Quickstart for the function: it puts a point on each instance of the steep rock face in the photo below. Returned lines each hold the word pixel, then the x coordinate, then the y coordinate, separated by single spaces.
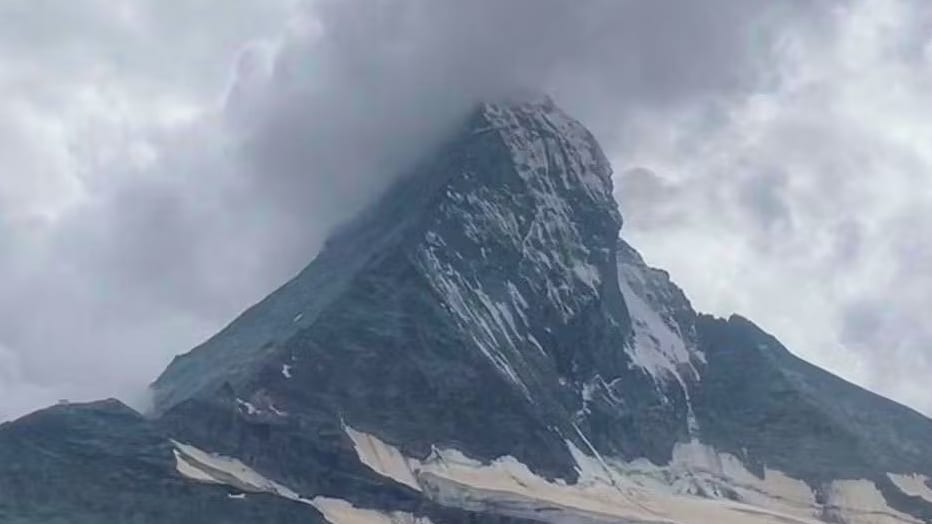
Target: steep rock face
pixel 479 306
pixel 664 341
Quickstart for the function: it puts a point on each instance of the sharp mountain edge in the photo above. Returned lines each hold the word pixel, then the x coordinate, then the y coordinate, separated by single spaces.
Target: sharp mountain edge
pixel 479 346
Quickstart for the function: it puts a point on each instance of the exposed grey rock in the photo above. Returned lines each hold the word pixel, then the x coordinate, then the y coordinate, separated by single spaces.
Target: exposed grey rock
pixel 103 462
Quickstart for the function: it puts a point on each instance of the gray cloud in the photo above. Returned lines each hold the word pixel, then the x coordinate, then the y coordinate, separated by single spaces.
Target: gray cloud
pixel 806 206
pixel 343 108
pixel 166 166
pixel 764 198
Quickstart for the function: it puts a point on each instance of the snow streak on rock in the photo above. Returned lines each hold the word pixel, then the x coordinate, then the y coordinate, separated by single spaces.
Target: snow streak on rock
pixel 860 502
pixel 542 258
pixel 664 339
pixel 699 485
pixel 913 485
pixel 201 466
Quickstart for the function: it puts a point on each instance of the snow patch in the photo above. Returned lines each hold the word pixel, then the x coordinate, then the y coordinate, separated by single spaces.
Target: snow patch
pixel 384 459
pixel 247 407
pixel 914 485
pixel 506 486
pixel 700 470
pixel 266 407
pixel 860 502
pixel 189 470
pixel 201 466
pixel 697 469
pixel 207 467
pixel 698 485
pixel 339 511
pixel 657 348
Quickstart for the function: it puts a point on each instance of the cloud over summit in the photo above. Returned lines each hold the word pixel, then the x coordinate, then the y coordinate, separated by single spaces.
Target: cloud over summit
pixel 171 165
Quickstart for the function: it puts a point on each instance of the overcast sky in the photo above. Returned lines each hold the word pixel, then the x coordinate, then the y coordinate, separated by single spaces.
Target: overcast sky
pixel 165 164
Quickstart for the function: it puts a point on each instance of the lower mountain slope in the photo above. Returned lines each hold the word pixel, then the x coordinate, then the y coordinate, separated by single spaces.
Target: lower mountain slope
pixel 103 462
pixel 756 397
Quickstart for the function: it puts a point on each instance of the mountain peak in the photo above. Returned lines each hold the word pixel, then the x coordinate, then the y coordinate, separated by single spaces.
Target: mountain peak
pixel 520 176
pixel 479 346
pixel 529 125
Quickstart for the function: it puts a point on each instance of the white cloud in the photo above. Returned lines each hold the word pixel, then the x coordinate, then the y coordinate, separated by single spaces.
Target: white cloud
pixel 165 164
pixel 104 110
pixel 807 205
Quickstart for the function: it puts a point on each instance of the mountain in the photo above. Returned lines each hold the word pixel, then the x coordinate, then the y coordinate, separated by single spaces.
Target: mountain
pixel 480 346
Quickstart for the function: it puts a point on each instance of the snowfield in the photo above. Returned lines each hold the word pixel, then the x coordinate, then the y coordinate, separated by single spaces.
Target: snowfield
pixel 635 492
pixel 202 466
pixel 693 489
